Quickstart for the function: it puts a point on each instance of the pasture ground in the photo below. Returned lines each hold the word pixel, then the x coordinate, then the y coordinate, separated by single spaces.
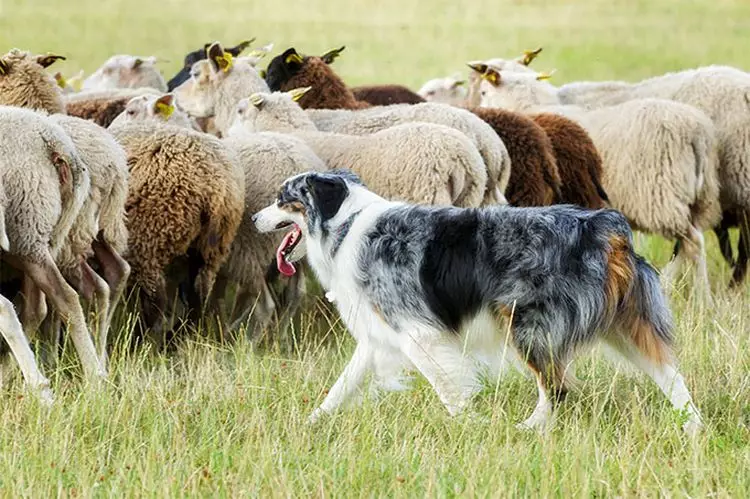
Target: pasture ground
pixel 216 420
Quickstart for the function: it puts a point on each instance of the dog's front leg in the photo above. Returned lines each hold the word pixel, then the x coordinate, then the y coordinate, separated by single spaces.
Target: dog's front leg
pixel 348 383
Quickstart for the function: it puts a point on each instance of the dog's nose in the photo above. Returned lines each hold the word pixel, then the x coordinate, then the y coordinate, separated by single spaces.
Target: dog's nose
pixel 254 218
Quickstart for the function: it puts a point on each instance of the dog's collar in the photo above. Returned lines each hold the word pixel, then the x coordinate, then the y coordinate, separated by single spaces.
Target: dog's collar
pixel 342 231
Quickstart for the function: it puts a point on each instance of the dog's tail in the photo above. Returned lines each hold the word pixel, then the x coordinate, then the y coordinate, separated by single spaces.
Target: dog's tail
pixel 641 312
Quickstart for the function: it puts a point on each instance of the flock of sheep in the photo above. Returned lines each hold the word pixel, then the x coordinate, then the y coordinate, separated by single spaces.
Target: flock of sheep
pixel 120 184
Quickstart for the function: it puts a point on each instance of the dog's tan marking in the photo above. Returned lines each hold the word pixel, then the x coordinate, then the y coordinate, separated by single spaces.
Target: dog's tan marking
pixel 293 207
pixel 620 270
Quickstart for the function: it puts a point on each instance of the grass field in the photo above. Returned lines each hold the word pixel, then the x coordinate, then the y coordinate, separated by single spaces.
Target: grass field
pixel 225 421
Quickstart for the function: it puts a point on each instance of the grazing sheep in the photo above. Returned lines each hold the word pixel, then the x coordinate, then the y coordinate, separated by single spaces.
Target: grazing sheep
pixel 418 162
pixel 386 95
pixel 484 138
pixel 46 183
pixel 578 161
pixel 185 192
pixel 126 71
pixel 25 83
pixel 216 85
pixel 659 157
pixel 201 54
pixel 723 94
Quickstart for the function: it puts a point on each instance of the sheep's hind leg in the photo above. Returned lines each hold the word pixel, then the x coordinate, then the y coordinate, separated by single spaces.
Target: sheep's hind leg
pixel 48 278
pixel 97 292
pixel 115 270
pixel 743 250
pixel 11 330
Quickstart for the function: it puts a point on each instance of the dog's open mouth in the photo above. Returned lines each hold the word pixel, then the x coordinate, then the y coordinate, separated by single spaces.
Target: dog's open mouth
pixel 290 241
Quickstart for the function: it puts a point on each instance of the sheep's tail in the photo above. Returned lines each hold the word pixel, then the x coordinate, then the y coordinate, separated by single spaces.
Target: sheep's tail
pixel 706 210
pixel 112 215
pixel 468 182
pixel 638 304
pixel 74 189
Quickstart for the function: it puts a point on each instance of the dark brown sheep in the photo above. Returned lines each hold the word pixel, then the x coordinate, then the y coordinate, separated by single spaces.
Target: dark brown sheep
pixel 534 179
pixel 578 161
pixel 101 111
pixel 386 95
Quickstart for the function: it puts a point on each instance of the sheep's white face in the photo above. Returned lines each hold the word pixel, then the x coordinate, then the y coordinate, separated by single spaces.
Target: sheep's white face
pixel 198 94
pixel 126 71
pixel 154 108
pixel 450 90
pixel 516 92
pixel 266 112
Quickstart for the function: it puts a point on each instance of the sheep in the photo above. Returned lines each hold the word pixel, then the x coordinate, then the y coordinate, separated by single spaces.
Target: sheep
pixel 126 71
pixel 46 183
pixel 484 138
pixel 69 85
pixel 216 85
pixel 201 54
pixel 386 95
pixel 722 93
pixel 160 108
pixel 103 106
pixel 578 161
pixel 417 162
pixel 25 83
pixel 185 191
pixel 659 157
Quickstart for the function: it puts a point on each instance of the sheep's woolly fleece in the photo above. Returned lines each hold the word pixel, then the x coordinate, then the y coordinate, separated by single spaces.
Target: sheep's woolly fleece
pixel 25 83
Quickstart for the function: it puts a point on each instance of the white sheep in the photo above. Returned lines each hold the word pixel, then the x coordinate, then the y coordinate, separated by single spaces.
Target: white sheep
pixel 126 71
pixel 161 108
pixel 416 162
pixel 723 93
pixel 450 90
pixel 659 158
pixel 375 119
pixel 46 183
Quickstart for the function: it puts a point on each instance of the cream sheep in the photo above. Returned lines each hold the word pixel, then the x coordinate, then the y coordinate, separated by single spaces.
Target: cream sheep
pixel 161 108
pixel 450 90
pixel 659 158
pixel 126 71
pixel 186 197
pixel 416 162
pixel 267 159
pixel 375 119
pixel 46 183
pixel 25 83
pixel 216 85
pixel 723 93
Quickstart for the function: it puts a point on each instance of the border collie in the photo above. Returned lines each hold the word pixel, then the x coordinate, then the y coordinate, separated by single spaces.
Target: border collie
pixel 440 288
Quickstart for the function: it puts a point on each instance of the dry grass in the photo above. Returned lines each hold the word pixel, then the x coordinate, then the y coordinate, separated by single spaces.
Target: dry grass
pixel 228 421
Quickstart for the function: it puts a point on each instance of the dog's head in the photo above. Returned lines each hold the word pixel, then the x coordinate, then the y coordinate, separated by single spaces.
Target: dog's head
pixel 305 205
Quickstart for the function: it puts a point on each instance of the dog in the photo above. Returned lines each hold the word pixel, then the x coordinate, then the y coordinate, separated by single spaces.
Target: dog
pixel 430 288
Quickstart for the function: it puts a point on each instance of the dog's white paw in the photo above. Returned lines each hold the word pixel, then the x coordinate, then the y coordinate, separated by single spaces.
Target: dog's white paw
pixel 693 426
pixel 315 416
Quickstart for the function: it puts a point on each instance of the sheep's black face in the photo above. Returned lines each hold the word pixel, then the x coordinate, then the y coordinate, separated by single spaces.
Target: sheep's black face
pixel 195 56
pixel 282 68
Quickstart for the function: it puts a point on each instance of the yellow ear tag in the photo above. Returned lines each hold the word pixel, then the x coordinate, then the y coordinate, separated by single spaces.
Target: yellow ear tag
pixel 492 77
pixel 164 110
pixel 294 57
pixel 256 100
pixel 225 61
pixel 530 55
pixel 60 79
pixel 545 76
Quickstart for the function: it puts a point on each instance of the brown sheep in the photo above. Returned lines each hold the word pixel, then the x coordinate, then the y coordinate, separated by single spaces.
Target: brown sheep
pixel 534 179
pixel 578 161
pixel 101 111
pixel 386 95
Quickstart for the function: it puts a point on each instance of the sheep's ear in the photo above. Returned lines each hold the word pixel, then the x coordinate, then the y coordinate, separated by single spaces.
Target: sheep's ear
pixel 4 67
pixel 164 106
pixel 221 60
pixel 237 49
pixel 292 57
pixel 491 76
pixel 262 73
pixel 257 100
pixel 528 56
pixel 60 80
pixel 331 55
pixel 47 60
pixel 140 61
pixel 545 76
pixel 297 93
pixel 477 66
pixel 458 83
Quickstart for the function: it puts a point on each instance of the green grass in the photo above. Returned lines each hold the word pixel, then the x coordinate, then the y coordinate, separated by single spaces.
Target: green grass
pixel 229 421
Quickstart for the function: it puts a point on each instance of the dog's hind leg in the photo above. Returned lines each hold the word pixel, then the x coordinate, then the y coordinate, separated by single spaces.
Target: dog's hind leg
pixel 663 371
pixel 439 357
pixel 348 383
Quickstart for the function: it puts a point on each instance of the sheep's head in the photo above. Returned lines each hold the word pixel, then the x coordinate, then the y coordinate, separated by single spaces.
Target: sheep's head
pixel 199 55
pixel 277 111
pixel 450 90
pixel 158 108
pixel 25 83
pixel 513 90
pixel 126 71
pixel 283 68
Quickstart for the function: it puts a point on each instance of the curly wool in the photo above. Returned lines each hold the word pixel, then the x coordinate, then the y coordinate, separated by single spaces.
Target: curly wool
pixel 26 84
pixel 386 95
pixel 101 111
pixel 328 90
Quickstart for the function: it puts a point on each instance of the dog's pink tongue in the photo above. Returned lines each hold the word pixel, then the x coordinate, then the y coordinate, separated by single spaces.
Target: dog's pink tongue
pixel 285 267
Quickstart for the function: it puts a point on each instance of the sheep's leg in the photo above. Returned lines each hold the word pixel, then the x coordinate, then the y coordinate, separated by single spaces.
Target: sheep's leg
pixel 217 303
pixel 698 255
pixel 153 294
pixel 671 272
pixel 261 306
pixel 49 347
pixel 743 250
pixel 48 278
pixel 725 244
pixel 96 291
pixel 115 270
pixel 34 308
pixel 11 330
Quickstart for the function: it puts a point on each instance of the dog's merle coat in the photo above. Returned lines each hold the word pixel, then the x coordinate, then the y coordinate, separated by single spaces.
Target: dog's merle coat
pixel 407 279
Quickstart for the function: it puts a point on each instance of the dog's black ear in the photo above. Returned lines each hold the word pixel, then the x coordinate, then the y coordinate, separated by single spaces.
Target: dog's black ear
pixel 328 193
